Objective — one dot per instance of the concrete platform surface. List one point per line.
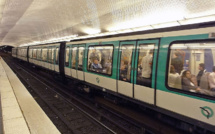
(20, 112)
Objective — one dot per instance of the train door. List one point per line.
(74, 61)
(125, 68)
(49, 58)
(144, 72)
(52, 58)
(80, 62)
(67, 66)
(56, 59)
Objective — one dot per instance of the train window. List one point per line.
(80, 57)
(50, 55)
(145, 64)
(34, 53)
(74, 50)
(56, 55)
(44, 54)
(100, 59)
(125, 62)
(67, 57)
(38, 54)
(30, 53)
(191, 67)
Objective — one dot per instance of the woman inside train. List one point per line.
(187, 83)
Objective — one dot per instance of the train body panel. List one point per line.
(104, 82)
(187, 106)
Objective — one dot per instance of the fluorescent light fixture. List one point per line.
(144, 28)
(125, 31)
(91, 31)
(197, 20)
(168, 24)
(110, 33)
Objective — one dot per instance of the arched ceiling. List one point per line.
(29, 22)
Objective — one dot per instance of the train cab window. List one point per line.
(125, 62)
(145, 64)
(191, 67)
(80, 57)
(67, 57)
(44, 54)
(74, 51)
(50, 55)
(56, 55)
(34, 53)
(100, 59)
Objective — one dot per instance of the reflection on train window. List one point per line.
(74, 51)
(34, 53)
(80, 57)
(67, 57)
(125, 62)
(100, 59)
(191, 67)
(56, 55)
(44, 54)
(49, 55)
(145, 64)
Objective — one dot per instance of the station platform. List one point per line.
(19, 112)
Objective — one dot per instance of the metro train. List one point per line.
(170, 71)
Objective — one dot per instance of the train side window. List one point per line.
(30, 53)
(125, 62)
(191, 67)
(34, 53)
(145, 64)
(39, 56)
(80, 57)
(44, 54)
(56, 55)
(100, 59)
(74, 51)
(50, 55)
(67, 57)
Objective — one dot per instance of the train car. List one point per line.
(171, 71)
(45, 56)
(151, 69)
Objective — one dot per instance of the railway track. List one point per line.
(65, 104)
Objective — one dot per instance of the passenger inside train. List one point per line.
(100, 59)
(191, 69)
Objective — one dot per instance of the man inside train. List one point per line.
(201, 72)
(147, 68)
(96, 65)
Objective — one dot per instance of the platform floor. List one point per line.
(20, 112)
